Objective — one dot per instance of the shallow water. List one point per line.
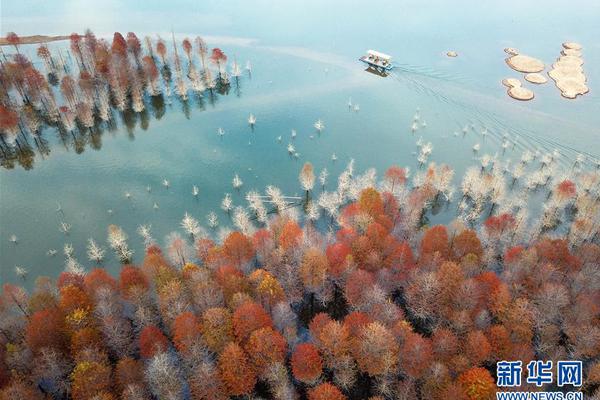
(304, 68)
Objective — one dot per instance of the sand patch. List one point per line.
(523, 63)
(520, 93)
(536, 78)
(452, 53)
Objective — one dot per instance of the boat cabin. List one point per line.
(377, 60)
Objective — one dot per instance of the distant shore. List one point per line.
(34, 39)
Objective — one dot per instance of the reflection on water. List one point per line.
(102, 86)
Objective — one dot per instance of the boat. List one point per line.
(377, 60)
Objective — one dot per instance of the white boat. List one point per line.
(378, 60)
(251, 119)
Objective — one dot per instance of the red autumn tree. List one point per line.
(444, 344)
(325, 391)
(337, 255)
(249, 317)
(477, 347)
(478, 384)
(73, 298)
(161, 49)
(370, 202)
(465, 243)
(497, 225)
(132, 279)
(238, 248)
(357, 284)
(290, 235)
(133, 45)
(9, 119)
(415, 355)
(435, 240)
(119, 45)
(187, 47)
(265, 348)
(152, 341)
(306, 362)
(46, 328)
(98, 279)
(236, 371)
(187, 332)
(395, 176)
(313, 270)
(14, 39)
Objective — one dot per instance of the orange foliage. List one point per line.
(266, 347)
(376, 350)
(187, 332)
(478, 384)
(152, 341)
(435, 240)
(128, 372)
(85, 338)
(465, 243)
(477, 348)
(355, 322)
(317, 324)
(90, 379)
(306, 363)
(337, 255)
(132, 278)
(69, 278)
(290, 235)
(217, 328)
(356, 284)
(98, 278)
(232, 281)
(238, 248)
(235, 370)
(444, 343)
(325, 391)
(46, 328)
(334, 341)
(249, 317)
(499, 339)
(370, 202)
(313, 270)
(415, 355)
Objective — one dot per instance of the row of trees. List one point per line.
(123, 75)
(378, 307)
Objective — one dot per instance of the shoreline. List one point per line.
(35, 39)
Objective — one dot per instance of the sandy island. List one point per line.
(452, 53)
(34, 39)
(536, 78)
(567, 71)
(523, 63)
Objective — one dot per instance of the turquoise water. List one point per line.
(304, 68)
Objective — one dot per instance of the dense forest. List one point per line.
(372, 309)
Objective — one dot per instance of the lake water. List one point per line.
(304, 58)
